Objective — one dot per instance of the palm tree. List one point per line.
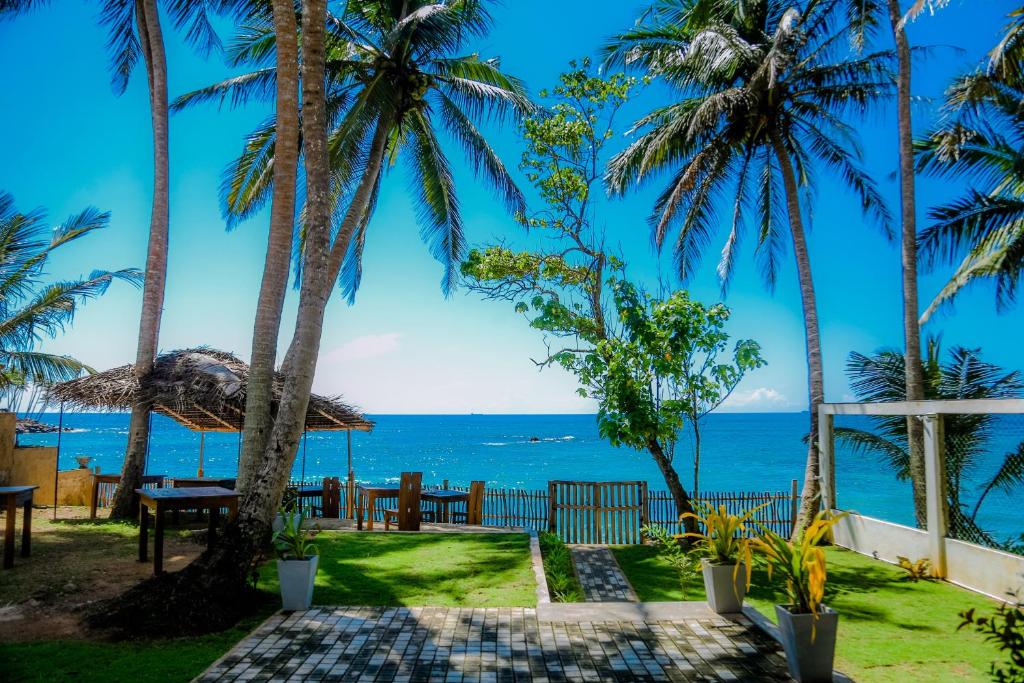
(397, 82)
(371, 56)
(32, 310)
(908, 254)
(764, 92)
(981, 139)
(134, 32)
(277, 265)
(963, 375)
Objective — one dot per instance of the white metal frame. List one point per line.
(931, 413)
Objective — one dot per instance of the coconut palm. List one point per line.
(32, 310)
(135, 32)
(982, 140)
(399, 81)
(373, 54)
(960, 375)
(763, 92)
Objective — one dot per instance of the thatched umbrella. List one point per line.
(202, 389)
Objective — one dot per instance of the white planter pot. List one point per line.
(296, 578)
(810, 660)
(724, 592)
(279, 521)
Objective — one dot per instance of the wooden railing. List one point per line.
(594, 512)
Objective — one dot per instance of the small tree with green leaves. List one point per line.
(636, 355)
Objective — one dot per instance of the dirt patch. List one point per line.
(74, 563)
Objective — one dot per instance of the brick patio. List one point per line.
(501, 644)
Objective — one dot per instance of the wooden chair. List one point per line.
(408, 515)
(474, 513)
(330, 502)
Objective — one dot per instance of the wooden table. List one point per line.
(98, 479)
(370, 494)
(304, 492)
(11, 497)
(442, 498)
(160, 500)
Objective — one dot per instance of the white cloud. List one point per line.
(761, 398)
(367, 346)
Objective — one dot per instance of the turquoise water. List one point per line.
(748, 452)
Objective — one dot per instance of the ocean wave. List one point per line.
(494, 443)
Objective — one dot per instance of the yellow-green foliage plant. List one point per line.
(724, 539)
(917, 570)
(801, 562)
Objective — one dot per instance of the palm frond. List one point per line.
(438, 212)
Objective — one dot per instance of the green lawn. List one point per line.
(167, 661)
(356, 569)
(480, 570)
(889, 629)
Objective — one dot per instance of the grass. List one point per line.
(889, 628)
(165, 661)
(479, 570)
(558, 570)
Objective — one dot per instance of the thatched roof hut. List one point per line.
(201, 388)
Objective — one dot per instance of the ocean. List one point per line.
(740, 452)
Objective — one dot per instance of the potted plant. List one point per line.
(807, 627)
(297, 562)
(725, 550)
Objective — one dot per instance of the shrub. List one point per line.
(558, 569)
(1004, 628)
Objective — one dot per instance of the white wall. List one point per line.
(984, 570)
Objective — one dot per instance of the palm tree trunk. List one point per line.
(675, 487)
(908, 241)
(124, 505)
(815, 378)
(277, 265)
(696, 458)
(270, 475)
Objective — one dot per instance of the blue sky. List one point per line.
(68, 142)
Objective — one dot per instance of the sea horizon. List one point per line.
(742, 451)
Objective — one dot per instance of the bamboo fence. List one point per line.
(593, 512)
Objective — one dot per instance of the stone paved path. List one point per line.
(495, 645)
(600, 576)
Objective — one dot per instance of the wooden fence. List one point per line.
(601, 512)
(594, 512)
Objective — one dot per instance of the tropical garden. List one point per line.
(759, 102)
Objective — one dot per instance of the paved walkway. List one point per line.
(600, 576)
(498, 644)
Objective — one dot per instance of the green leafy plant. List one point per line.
(293, 542)
(558, 569)
(671, 549)
(1005, 628)
(917, 570)
(801, 562)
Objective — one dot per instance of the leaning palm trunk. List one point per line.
(908, 218)
(277, 266)
(815, 381)
(124, 504)
(210, 593)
